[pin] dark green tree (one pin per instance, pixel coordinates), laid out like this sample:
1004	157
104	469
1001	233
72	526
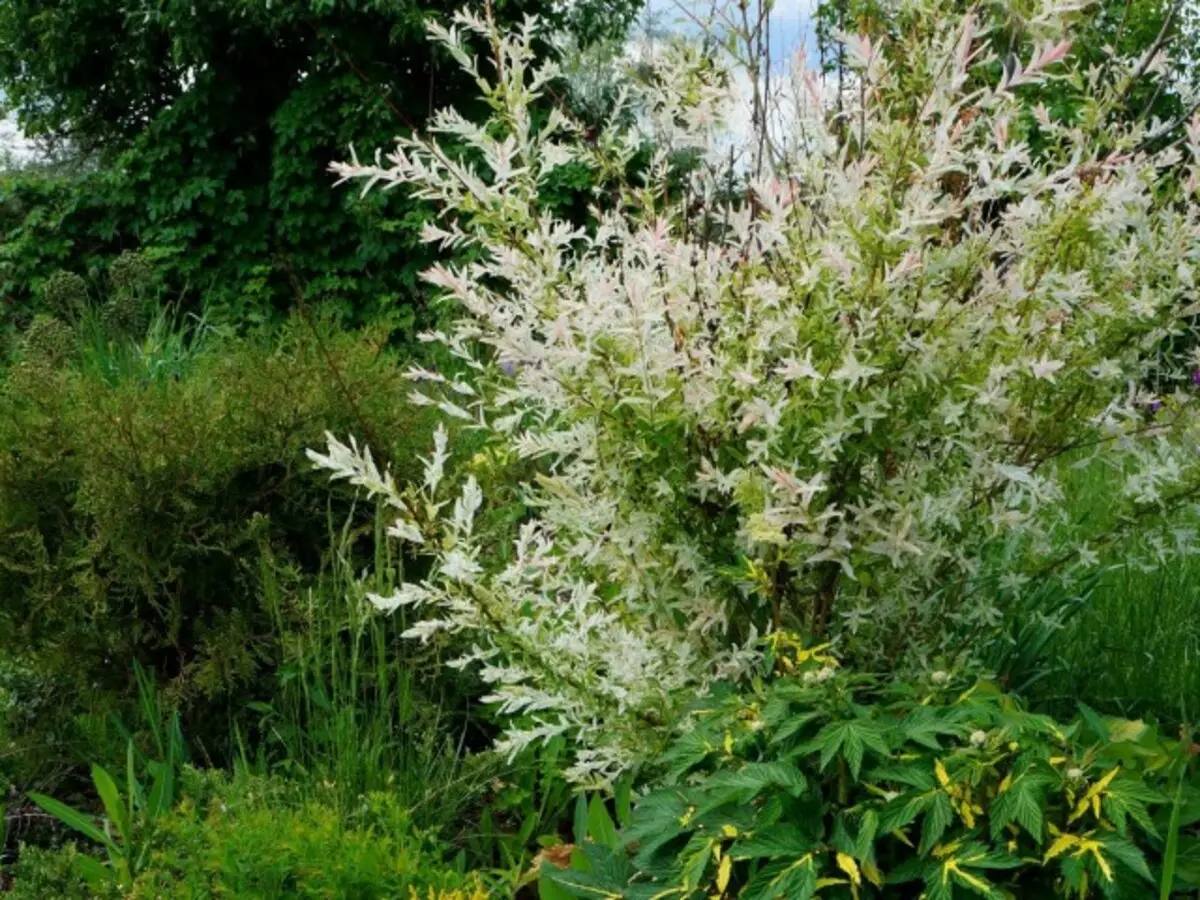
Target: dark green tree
208	126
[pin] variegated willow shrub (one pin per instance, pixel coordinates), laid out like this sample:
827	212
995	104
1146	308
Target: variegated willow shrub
824	782
827	384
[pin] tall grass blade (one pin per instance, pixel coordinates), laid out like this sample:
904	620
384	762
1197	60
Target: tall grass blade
1171	852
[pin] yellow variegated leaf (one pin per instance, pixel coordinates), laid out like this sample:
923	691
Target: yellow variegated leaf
829	882
1104	782
846	863
941	851
1093	847
1061	845
1092	797
872	874
951	866
723	873
939	770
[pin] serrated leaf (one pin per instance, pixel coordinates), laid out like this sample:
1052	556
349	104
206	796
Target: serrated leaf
790	726
1127	854
795	880
1023	803
901	811
924	726
753	779
851	739
781	840
657	821
939	814
1127	798
868	828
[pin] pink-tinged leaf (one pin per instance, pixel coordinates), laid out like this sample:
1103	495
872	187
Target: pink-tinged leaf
963	53
1000	131
1014	77
911	261
1193	132
1051	55
860	50
814	93
784	479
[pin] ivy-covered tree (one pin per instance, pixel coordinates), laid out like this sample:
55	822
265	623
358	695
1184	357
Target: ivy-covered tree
211	125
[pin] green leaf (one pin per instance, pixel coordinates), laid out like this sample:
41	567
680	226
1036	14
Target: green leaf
795	880
1024	803
925	725
1094	721
72	818
695	857
581	819
575	883
1127	798
868	828
851	739
748	782
162	791
1127	854
623	800
781	840
110	795
687	752
94	872
790	726
938	817
917	776
902	810
600	824
132	788
657	821
974	882
1171	851
548	889
937	888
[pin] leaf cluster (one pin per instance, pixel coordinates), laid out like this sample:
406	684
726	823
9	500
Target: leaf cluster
830	783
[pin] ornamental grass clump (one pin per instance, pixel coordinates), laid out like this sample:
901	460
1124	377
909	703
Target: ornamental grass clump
827	381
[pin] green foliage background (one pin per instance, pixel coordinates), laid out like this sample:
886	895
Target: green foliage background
201	134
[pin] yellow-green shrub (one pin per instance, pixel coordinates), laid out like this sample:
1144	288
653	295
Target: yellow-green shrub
145	498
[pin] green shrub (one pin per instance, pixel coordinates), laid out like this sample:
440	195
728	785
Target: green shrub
243	836
39	873
148	489
831	781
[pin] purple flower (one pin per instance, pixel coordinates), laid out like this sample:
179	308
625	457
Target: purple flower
509	367
1155	406
1196	377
